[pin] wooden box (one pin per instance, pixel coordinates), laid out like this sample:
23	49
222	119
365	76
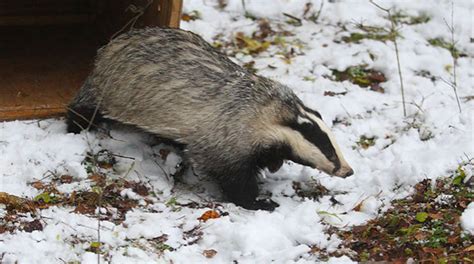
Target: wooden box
47	47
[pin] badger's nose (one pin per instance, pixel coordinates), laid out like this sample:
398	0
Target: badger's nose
349	173
344	172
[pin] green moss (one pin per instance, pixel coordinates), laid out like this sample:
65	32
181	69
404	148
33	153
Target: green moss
366	142
371	32
402	18
439	42
361	76
357	37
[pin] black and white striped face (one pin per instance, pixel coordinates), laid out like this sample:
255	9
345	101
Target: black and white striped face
313	144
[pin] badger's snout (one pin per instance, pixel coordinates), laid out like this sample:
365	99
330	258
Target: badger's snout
344	171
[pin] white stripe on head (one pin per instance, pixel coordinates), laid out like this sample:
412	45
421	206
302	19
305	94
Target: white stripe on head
326	130
301	147
302	120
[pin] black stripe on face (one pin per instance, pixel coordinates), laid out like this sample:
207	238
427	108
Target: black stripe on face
313	133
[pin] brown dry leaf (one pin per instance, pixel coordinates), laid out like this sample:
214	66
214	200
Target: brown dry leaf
140	189
33	225
264	31
358	206
84	209
209	253
436	216
38	185
185	17
17	203
469	248
435	251
97	178
65	179
377	88
191	16
3	229
106	165
453	239
377	77
421	235
358	229
210	214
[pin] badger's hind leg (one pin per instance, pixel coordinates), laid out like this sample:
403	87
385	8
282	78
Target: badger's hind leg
79	118
241	188
83	112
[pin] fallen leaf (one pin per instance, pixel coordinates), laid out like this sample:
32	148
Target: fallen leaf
436	251
435	216
84	209
94	247
210	214
38	185
420	235
3	229
250	45
421	217
358	206
191	16
469	248
15	202
209	253
453	239
65	179
97	178
140	189
32	226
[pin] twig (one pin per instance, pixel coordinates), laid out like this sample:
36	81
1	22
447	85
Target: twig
243	5
316	16
139	11
98	225
122	156
298	20
82	117
393	31
453	55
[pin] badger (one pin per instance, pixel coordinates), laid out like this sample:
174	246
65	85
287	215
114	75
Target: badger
232	123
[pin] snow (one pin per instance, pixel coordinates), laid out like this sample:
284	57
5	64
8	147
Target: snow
429	143
467	219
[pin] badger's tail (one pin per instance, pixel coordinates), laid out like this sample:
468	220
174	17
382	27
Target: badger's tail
83	113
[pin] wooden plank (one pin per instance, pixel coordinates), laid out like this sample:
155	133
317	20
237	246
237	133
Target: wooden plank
45	20
170	13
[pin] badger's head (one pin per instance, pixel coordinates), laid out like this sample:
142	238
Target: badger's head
305	139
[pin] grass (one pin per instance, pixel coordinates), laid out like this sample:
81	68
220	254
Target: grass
424	227
401	17
439	42
362	77
370	32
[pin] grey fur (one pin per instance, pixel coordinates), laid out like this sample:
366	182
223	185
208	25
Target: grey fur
174	84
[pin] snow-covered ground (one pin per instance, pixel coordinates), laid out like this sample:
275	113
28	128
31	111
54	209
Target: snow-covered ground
433	140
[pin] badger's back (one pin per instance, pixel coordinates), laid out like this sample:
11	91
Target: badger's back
172	83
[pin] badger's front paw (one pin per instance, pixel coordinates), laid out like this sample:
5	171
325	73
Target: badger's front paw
263	204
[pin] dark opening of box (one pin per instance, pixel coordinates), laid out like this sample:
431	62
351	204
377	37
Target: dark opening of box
47	48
